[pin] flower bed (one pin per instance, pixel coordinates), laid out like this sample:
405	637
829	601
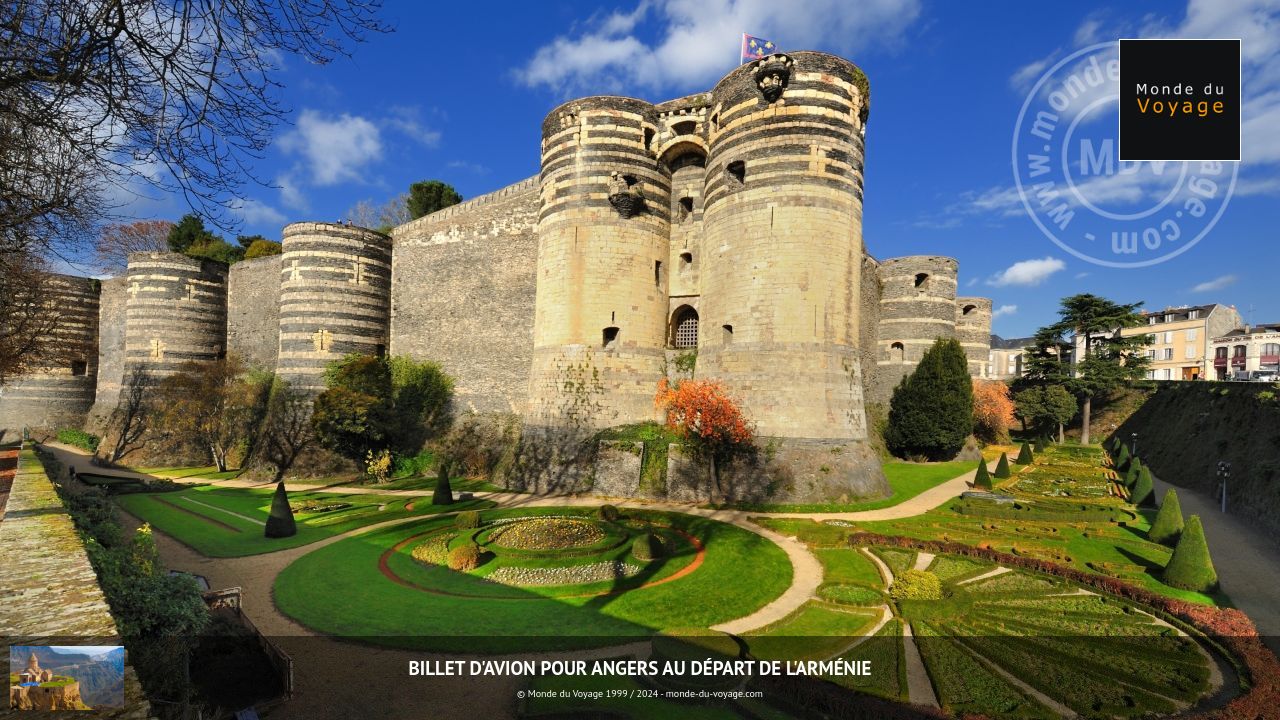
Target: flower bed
547	534
568	575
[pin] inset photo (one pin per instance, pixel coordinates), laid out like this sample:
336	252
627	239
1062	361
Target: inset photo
66	677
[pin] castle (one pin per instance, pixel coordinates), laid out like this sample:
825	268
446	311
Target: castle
727	222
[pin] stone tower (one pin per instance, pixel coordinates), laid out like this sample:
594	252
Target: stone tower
599	333
335	298
175	311
973	330
782	228
60	391
917	306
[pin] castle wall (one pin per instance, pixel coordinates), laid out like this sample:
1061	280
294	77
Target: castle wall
600	320
973	330
60	391
917	306
462	294
253	311
111	333
783	233
335	298
176	311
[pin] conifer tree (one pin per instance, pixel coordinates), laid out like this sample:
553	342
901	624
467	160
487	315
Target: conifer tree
1024	455
1143	489
931	412
1167	526
982	480
1190	566
1002	467
1131	475
1122	459
280	522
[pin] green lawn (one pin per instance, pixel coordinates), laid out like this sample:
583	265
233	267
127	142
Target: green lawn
817	631
333	589
1065	516
229	522
907	480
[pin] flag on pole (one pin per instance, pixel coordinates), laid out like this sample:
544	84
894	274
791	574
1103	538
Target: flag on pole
754	48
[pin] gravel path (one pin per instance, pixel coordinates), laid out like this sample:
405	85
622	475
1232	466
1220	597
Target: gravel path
1246	559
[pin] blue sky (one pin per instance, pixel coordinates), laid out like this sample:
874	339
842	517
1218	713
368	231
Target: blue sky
458	92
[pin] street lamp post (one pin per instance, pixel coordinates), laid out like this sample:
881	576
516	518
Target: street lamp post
1224	474
1133	449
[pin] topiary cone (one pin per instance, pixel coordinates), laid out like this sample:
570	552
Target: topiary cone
1002	467
1190	567
1122	459
1024	454
444	492
1131	475
280	521
1143	489
982	481
1167	526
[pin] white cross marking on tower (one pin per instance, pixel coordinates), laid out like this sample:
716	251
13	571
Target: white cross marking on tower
135	288
293	271
157	349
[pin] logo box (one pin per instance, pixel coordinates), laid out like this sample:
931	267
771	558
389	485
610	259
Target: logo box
1179	100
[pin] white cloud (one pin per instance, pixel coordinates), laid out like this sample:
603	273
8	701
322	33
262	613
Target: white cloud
334	149
291	192
256	212
1217	283
1081	275
1027	272
698	40
469	167
1004	310
408	120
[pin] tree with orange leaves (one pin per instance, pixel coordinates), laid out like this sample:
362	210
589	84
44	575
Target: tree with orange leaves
992	410
708	419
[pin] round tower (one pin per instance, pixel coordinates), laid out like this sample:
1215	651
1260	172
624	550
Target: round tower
917	306
603	249
335	298
973	330
175	311
782	229
60	390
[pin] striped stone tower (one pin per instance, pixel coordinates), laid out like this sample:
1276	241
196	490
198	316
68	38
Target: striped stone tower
60	391
335	298
782	224
917	306
175	311
599	333
973	330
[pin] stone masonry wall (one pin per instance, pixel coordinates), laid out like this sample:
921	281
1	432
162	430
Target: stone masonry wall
111	332
253	311
61	390
51	592
463	288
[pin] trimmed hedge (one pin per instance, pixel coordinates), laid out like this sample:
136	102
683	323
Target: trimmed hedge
982	480
443	494
280	522
79	438
647	547
467	520
1024	455
465	557
1167	526
1143	489
608	513
1190	566
1002	467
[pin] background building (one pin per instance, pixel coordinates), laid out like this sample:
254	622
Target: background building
1007	357
1246	350
1179	339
